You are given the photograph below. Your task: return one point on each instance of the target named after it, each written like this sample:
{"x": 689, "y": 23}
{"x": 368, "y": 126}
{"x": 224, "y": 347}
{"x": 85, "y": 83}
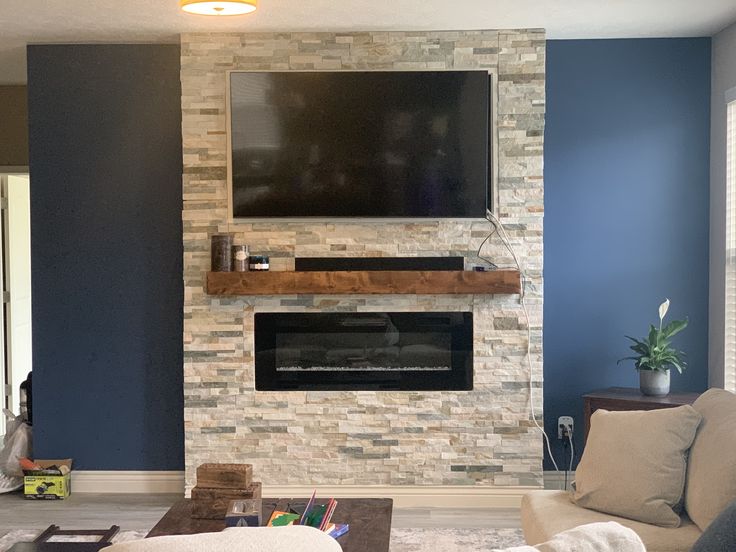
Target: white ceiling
{"x": 39, "y": 21}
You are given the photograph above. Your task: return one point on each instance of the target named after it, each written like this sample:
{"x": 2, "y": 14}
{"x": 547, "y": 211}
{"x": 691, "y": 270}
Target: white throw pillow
{"x": 294, "y": 538}
{"x": 593, "y": 537}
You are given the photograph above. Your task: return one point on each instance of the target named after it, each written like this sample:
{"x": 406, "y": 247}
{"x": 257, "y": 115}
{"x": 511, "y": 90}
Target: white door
{"x": 17, "y": 284}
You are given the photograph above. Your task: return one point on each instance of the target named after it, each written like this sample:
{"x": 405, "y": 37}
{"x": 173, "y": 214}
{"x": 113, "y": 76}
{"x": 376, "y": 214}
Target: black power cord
{"x": 492, "y": 265}
{"x": 567, "y": 441}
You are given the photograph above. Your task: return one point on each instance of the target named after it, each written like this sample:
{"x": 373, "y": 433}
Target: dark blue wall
{"x": 626, "y": 210}
{"x": 106, "y": 164}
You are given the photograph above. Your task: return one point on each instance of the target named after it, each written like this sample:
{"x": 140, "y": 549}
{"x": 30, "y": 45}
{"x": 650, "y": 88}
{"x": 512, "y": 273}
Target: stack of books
{"x": 315, "y": 515}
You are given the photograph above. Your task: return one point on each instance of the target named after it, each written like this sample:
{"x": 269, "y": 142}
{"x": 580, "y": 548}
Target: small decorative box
{"x": 213, "y": 503}
{"x": 258, "y": 262}
{"x": 225, "y": 476}
{"x": 244, "y": 513}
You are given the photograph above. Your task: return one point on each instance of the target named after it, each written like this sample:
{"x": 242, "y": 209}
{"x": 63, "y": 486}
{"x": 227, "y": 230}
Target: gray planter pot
{"x": 654, "y": 382}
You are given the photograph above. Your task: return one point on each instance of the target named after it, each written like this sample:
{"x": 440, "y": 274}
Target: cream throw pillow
{"x": 711, "y": 474}
{"x": 635, "y": 462}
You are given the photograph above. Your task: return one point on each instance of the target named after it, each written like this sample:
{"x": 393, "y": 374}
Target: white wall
{"x": 723, "y": 79}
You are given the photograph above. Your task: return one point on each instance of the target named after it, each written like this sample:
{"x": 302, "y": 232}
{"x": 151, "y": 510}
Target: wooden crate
{"x": 210, "y": 503}
{"x": 224, "y": 476}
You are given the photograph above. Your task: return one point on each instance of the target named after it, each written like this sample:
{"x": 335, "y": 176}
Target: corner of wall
{"x": 723, "y": 78}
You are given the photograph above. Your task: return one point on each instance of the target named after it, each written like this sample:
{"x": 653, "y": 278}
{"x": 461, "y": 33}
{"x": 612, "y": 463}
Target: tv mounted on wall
{"x": 353, "y": 144}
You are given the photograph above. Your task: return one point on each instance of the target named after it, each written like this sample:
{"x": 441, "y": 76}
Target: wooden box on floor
{"x": 209, "y": 503}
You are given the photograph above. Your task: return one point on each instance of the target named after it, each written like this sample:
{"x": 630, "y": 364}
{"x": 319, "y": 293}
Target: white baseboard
{"x": 414, "y": 496}
{"x": 128, "y": 482}
{"x": 556, "y": 480}
{"x": 404, "y": 496}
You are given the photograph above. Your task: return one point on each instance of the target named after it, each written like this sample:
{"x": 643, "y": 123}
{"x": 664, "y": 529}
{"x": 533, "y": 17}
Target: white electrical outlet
{"x": 565, "y": 421}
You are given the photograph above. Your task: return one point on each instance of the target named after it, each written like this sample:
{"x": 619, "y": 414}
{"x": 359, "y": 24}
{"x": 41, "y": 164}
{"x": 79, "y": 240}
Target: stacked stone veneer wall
{"x": 481, "y": 437}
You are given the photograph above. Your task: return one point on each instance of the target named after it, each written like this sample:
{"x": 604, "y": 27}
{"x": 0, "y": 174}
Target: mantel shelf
{"x": 424, "y": 282}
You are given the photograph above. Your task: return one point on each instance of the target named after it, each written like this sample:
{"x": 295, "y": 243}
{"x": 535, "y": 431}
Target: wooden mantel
{"x": 364, "y": 282}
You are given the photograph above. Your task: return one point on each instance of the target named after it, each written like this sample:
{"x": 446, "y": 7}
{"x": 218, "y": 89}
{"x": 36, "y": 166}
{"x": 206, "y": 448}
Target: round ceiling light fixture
{"x": 216, "y": 7}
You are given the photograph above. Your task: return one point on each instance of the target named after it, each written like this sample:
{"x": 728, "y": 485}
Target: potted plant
{"x": 655, "y": 355}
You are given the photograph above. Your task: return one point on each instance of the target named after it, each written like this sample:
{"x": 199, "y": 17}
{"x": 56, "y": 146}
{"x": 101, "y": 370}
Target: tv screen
{"x": 360, "y": 144}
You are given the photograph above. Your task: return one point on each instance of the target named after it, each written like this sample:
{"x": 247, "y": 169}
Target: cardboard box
{"x": 48, "y": 484}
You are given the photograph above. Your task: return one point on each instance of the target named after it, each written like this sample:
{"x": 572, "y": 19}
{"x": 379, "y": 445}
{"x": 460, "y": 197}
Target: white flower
{"x": 663, "y": 308}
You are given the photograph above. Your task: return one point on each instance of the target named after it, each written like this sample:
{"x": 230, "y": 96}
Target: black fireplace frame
{"x": 458, "y": 378}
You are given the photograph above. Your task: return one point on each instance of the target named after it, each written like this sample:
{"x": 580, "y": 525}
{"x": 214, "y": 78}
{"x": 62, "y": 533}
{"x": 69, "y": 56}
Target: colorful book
{"x": 336, "y": 530}
{"x": 308, "y": 508}
{"x": 315, "y": 516}
{"x": 330, "y": 509}
{"x": 282, "y": 519}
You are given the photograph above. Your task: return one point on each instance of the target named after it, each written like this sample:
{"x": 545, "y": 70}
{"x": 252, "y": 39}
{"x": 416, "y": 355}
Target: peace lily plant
{"x": 655, "y": 355}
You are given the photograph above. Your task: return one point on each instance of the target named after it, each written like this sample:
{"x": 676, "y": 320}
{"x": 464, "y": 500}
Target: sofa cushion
{"x": 711, "y": 483}
{"x": 547, "y": 513}
{"x": 635, "y": 462}
{"x": 720, "y": 536}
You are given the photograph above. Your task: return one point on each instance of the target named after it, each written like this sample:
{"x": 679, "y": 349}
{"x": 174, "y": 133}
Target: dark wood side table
{"x": 369, "y": 520}
{"x": 629, "y": 398}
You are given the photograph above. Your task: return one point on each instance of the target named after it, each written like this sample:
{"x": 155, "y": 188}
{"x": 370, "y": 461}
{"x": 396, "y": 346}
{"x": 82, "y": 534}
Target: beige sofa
{"x": 546, "y": 513}
{"x": 710, "y": 487}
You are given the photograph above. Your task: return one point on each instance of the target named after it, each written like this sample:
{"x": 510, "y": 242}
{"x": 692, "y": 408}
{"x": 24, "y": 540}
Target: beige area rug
{"x": 402, "y": 540}
{"x": 454, "y": 540}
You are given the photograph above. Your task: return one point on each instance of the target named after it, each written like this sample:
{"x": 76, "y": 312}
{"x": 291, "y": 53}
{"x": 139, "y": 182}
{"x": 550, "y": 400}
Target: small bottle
{"x": 240, "y": 258}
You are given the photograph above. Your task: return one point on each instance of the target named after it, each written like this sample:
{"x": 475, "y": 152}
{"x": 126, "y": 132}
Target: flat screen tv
{"x": 378, "y": 144}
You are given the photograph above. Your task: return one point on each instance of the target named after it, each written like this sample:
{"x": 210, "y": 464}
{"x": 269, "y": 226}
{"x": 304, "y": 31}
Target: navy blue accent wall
{"x": 106, "y": 164}
{"x": 626, "y": 210}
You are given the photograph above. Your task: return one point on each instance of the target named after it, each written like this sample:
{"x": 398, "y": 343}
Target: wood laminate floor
{"x": 140, "y": 512}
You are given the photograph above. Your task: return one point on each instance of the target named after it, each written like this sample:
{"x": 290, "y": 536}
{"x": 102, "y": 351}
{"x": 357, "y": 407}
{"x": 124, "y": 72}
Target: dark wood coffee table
{"x": 369, "y": 520}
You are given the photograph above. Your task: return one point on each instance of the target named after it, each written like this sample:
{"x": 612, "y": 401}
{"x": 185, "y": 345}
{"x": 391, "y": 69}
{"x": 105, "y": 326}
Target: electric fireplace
{"x": 392, "y": 351}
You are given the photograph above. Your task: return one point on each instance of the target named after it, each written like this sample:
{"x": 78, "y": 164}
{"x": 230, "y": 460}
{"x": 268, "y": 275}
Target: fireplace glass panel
{"x": 338, "y": 351}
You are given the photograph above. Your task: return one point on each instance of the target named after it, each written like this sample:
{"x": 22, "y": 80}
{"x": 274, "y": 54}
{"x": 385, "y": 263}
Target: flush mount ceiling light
{"x": 216, "y": 7}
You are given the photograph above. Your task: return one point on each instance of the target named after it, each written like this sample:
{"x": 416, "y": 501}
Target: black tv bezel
{"x": 491, "y": 164}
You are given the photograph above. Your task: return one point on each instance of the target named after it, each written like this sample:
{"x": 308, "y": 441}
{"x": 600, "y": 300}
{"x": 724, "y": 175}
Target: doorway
{"x": 15, "y": 270}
